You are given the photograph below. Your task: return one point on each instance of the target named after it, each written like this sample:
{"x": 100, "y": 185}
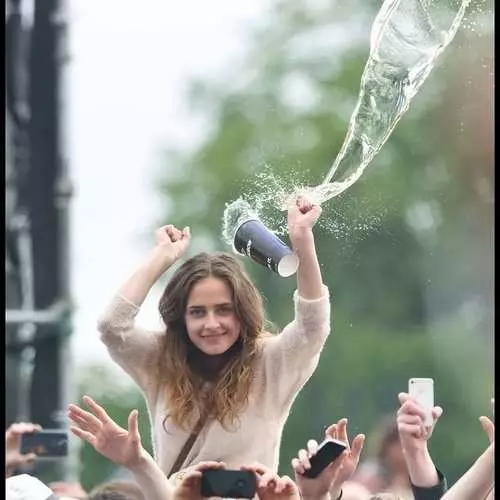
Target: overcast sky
{"x": 124, "y": 93}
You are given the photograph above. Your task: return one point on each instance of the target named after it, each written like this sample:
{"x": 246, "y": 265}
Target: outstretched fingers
{"x": 84, "y": 419}
{"x": 98, "y": 410}
{"x": 85, "y": 435}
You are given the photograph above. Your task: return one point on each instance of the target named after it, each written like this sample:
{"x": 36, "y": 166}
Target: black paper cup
{"x": 254, "y": 240}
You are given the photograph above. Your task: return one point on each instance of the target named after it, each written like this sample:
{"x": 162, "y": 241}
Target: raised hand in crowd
{"x": 478, "y": 482}
{"x": 121, "y": 446}
{"x": 332, "y": 478}
{"x": 13, "y": 456}
{"x": 426, "y": 480}
{"x": 171, "y": 244}
{"x": 270, "y": 486}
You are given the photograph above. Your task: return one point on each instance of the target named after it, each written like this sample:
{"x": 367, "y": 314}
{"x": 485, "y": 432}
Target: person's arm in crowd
{"x": 270, "y": 486}
{"x": 427, "y": 482}
{"x": 136, "y": 349}
{"x": 121, "y": 446}
{"x": 329, "y": 483}
{"x": 479, "y": 481}
{"x": 171, "y": 244}
{"x": 302, "y": 216}
{"x": 291, "y": 357}
{"x": 13, "y": 456}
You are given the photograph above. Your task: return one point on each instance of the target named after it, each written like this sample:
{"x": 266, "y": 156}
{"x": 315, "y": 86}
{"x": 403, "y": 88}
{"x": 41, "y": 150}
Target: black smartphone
{"x": 328, "y": 451}
{"x": 46, "y": 443}
{"x": 228, "y": 483}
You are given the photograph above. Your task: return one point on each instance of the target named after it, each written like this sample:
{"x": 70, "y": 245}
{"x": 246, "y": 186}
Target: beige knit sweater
{"x": 288, "y": 360}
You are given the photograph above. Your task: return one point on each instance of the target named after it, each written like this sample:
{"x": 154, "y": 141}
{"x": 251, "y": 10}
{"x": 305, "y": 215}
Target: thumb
{"x": 403, "y": 396}
{"x": 357, "y": 445}
{"x": 133, "y": 425}
{"x": 437, "y": 411}
{"x": 489, "y": 428}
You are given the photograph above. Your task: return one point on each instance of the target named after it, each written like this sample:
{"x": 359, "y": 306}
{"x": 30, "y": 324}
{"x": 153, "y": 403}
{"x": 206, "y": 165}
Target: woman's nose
{"x": 212, "y": 321}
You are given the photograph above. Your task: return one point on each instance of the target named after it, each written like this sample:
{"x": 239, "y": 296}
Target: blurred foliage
{"x": 407, "y": 252}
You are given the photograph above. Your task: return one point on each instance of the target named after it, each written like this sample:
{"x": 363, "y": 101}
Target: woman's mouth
{"x": 213, "y": 335}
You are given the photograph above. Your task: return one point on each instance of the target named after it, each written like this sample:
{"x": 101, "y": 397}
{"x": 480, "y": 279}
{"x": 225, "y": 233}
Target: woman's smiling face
{"x": 210, "y": 317}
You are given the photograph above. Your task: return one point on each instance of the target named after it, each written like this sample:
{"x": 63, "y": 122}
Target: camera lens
{"x": 240, "y": 484}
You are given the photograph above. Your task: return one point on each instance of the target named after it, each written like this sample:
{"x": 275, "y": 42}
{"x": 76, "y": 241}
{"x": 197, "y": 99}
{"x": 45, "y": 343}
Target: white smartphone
{"x": 422, "y": 391}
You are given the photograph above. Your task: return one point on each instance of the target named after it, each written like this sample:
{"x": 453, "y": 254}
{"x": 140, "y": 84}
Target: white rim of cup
{"x": 288, "y": 265}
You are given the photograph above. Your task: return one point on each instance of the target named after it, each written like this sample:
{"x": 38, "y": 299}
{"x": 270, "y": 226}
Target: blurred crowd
{"x": 401, "y": 469}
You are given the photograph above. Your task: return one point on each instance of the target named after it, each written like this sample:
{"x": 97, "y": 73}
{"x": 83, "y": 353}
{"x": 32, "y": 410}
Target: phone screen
{"x": 327, "y": 452}
{"x": 45, "y": 443}
{"x": 228, "y": 483}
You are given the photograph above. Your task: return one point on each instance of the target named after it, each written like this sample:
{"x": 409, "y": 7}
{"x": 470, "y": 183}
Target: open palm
{"x": 339, "y": 471}
{"x": 352, "y": 454}
{"x": 121, "y": 446}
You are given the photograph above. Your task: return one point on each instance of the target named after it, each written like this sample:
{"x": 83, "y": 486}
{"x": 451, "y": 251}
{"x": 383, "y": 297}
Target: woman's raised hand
{"x": 171, "y": 242}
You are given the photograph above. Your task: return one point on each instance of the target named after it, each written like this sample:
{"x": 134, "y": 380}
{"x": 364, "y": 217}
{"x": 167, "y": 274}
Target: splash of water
{"x": 407, "y": 37}
{"x": 235, "y": 214}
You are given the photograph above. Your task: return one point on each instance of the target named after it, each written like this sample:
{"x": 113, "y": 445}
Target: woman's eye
{"x": 226, "y": 310}
{"x": 196, "y": 313}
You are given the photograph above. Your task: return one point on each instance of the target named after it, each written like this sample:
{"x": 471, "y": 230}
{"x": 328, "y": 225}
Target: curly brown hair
{"x": 178, "y": 374}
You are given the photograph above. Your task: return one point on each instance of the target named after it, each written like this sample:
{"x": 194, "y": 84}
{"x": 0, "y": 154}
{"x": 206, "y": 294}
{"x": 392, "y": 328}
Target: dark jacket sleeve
{"x": 431, "y": 492}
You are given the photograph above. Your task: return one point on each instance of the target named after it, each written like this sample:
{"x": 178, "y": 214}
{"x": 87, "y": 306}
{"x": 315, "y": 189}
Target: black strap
{"x": 188, "y": 444}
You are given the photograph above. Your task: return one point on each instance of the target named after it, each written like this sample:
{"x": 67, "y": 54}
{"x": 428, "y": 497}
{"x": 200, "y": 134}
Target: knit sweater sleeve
{"x": 135, "y": 349}
{"x": 291, "y": 357}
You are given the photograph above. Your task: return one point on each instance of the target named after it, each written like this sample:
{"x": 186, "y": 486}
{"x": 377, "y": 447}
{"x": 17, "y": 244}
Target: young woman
{"x": 217, "y": 386}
